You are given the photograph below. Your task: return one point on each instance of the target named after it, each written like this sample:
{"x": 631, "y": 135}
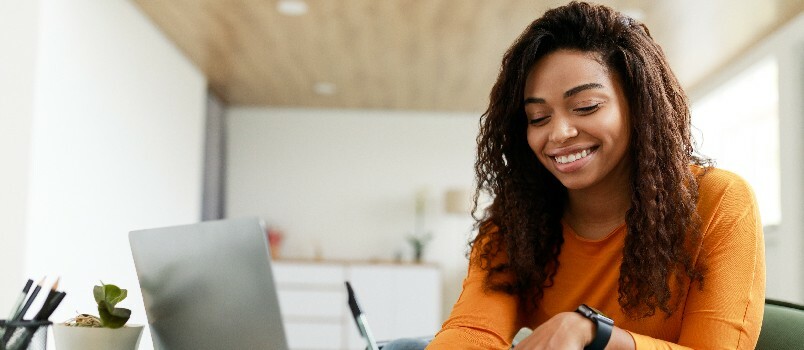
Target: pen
{"x": 360, "y": 319}
{"x": 21, "y": 314}
{"x": 20, "y": 299}
{"x": 24, "y": 339}
{"x": 17, "y": 304}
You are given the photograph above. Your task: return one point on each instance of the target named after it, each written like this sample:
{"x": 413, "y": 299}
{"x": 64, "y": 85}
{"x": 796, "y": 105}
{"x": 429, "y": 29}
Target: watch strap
{"x": 603, "y": 327}
{"x": 602, "y": 335}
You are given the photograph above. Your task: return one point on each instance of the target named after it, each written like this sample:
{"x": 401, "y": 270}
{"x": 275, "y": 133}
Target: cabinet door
{"x": 311, "y": 335}
{"x": 312, "y": 304}
{"x": 399, "y": 301}
{"x": 312, "y": 299}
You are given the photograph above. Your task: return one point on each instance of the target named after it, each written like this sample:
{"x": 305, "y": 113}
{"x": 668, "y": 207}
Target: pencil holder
{"x": 23, "y": 335}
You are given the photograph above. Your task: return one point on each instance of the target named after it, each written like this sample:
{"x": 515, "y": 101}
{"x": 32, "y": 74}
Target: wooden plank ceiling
{"x": 436, "y": 55}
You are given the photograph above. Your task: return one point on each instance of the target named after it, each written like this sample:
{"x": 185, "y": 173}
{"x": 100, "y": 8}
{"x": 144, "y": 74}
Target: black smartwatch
{"x": 604, "y": 327}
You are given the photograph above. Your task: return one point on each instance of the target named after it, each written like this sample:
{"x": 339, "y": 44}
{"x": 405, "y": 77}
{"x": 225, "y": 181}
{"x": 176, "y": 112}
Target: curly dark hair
{"x": 524, "y": 219}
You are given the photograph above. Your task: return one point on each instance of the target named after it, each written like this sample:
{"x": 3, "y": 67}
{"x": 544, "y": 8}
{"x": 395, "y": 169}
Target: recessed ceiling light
{"x": 292, "y": 7}
{"x": 323, "y": 88}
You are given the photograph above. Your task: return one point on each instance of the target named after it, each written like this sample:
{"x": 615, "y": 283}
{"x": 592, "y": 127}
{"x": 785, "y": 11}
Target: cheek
{"x": 623, "y": 132}
{"x": 536, "y": 141}
{"x": 617, "y": 128}
{"x": 619, "y": 136}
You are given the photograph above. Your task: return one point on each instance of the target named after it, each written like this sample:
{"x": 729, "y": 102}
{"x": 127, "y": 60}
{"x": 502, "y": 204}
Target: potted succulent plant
{"x": 419, "y": 238}
{"x": 109, "y": 331}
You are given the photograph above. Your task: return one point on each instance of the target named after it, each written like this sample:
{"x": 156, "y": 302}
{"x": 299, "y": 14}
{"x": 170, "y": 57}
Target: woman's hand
{"x": 566, "y": 330}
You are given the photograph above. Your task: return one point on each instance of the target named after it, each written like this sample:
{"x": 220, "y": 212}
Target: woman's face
{"x": 578, "y": 120}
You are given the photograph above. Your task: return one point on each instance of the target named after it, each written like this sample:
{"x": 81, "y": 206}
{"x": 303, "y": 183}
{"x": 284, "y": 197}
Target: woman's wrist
{"x": 585, "y": 328}
{"x": 602, "y": 327}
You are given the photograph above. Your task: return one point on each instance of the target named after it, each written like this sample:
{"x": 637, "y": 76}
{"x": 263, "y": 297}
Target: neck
{"x": 595, "y": 212}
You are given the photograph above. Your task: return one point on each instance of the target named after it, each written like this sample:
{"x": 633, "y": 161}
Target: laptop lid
{"x": 209, "y": 286}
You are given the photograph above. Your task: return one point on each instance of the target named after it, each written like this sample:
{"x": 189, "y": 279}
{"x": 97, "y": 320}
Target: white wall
{"x": 345, "y": 181}
{"x": 785, "y": 244}
{"x": 786, "y": 262}
{"x": 116, "y": 144}
{"x": 18, "y": 23}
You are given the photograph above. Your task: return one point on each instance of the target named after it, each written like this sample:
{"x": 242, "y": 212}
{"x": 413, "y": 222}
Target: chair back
{"x": 782, "y": 326}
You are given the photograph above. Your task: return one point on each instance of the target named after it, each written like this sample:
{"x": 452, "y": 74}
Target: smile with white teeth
{"x": 572, "y": 157}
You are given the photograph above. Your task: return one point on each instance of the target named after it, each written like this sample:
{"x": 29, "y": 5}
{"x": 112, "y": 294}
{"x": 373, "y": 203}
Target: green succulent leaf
{"x": 113, "y": 294}
{"x": 98, "y": 293}
{"x": 107, "y": 296}
{"x": 112, "y": 317}
{"x": 121, "y": 313}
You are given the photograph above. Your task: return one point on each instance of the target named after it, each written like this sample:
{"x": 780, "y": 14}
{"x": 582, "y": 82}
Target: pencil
{"x": 45, "y": 313}
{"x": 46, "y": 305}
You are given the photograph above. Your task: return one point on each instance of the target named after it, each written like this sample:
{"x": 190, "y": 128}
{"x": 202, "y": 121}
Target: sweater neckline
{"x": 582, "y": 239}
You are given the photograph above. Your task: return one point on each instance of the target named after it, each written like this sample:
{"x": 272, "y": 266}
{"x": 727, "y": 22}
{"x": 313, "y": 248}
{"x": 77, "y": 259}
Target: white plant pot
{"x": 86, "y": 338}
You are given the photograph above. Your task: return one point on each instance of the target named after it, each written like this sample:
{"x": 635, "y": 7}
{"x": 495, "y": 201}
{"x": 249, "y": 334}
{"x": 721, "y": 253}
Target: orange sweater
{"x": 726, "y": 314}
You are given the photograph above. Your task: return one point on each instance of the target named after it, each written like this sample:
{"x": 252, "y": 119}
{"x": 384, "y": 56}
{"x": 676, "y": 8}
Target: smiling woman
{"x": 579, "y": 129}
{"x": 605, "y": 230}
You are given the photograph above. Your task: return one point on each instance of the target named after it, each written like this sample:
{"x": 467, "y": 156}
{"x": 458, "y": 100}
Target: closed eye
{"x": 587, "y": 110}
{"x": 538, "y": 121}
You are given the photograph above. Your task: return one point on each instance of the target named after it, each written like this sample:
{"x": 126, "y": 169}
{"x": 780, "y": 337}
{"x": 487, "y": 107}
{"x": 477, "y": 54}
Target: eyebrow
{"x": 568, "y": 93}
{"x": 583, "y": 87}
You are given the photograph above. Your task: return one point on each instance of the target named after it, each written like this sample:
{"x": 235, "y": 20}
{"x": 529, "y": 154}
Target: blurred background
{"x": 348, "y": 126}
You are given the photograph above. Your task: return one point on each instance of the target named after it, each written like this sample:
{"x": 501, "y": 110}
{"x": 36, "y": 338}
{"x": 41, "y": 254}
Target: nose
{"x": 562, "y": 130}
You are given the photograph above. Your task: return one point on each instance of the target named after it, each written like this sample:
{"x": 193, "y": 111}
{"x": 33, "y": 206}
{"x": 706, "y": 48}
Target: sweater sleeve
{"x": 726, "y": 313}
{"x": 481, "y": 319}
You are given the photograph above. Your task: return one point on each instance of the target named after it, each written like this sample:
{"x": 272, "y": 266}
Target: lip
{"x": 576, "y": 165}
{"x": 565, "y": 151}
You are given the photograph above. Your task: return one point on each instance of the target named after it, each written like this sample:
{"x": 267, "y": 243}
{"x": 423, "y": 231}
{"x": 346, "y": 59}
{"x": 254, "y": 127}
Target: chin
{"x": 573, "y": 183}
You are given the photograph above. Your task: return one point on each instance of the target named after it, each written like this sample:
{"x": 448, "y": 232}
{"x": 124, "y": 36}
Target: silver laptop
{"x": 209, "y": 286}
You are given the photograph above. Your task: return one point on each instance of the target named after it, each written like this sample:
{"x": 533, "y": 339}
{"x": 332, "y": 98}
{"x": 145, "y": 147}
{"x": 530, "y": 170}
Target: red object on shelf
{"x": 275, "y": 237}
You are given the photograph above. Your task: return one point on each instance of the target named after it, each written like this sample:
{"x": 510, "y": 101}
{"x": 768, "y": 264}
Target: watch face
{"x": 598, "y": 312}
{"x": 586, "y": 310}
{"x": 601, "y": 316}
{"x": 593, "y": 313}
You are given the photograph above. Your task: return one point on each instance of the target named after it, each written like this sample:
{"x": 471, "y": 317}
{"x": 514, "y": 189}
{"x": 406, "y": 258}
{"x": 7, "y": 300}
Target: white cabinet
{"x": 398, "y": 300}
